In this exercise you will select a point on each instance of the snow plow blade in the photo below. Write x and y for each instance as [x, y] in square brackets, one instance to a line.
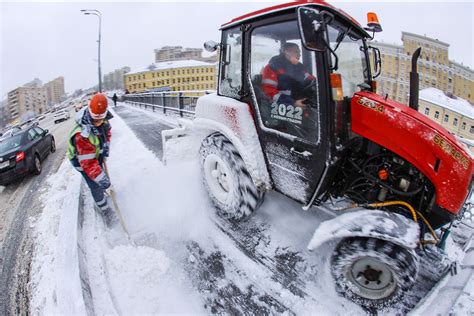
[180, 143]
[454, 290]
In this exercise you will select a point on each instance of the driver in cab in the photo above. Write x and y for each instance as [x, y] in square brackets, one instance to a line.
[284, 77]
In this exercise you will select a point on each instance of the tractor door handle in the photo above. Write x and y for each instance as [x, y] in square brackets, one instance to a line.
[304, 153]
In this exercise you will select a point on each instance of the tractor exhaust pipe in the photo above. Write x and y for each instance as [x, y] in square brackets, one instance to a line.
[414, 80]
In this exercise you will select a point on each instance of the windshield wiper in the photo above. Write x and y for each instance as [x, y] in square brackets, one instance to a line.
[341, 37]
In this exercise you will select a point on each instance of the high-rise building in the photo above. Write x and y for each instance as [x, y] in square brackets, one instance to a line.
[54, 91]
[25, 100]
[434, 67]
[114, 80]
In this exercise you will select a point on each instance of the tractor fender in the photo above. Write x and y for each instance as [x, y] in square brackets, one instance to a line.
[229, 117]
[234, 120]
[377, 224]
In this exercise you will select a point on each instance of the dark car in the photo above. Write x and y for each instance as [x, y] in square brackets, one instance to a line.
[23, 151]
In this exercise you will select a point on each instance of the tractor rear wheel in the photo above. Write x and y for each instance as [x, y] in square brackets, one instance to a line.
[373, 273]
[226, 178]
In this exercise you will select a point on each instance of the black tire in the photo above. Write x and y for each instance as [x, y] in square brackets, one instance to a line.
[232, 192]
[36, 164]
[364, 284]
[53, 145]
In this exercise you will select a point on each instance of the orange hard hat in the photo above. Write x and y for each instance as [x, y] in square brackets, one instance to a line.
[98, 106]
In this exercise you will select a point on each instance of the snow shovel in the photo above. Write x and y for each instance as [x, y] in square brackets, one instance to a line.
[117, 209]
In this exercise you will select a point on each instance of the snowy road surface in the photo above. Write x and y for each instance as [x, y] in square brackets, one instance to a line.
[187, 259]
[18, 203]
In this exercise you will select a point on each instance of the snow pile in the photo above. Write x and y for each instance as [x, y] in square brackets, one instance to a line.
[55, 284]
[126, 264]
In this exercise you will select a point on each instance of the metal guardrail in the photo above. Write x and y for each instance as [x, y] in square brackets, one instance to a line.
[182, 103]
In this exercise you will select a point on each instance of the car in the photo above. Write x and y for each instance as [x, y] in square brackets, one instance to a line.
[23, 151]
[61, 115]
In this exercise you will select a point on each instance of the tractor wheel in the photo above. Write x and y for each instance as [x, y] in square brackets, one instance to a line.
[36, 164]
[373, 273]
[226, 178]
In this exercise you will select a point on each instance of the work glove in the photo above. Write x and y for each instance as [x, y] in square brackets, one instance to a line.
[106, 150]
[109, 191]
[104, 183]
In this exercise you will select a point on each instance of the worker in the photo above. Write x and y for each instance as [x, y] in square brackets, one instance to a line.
[89, 145]
[288, 85]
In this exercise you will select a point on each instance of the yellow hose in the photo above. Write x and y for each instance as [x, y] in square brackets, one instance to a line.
[412, 210]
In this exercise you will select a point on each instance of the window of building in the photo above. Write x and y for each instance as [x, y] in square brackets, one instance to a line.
[427, 111]
[471, 130]
[455, 122]
[463, 126]
[446, 118]
[436, 114]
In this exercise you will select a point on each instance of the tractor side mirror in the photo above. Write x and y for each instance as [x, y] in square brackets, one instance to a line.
[312, 28]
[377, 61]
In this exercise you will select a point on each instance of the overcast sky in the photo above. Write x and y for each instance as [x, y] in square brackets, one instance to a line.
[49, 39]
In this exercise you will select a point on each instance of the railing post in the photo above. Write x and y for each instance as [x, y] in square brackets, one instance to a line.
[164, 103]
[180, 103]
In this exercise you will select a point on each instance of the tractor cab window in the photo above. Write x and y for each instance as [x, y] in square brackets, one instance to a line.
[231, 64]
[283, 79]
[352, 63]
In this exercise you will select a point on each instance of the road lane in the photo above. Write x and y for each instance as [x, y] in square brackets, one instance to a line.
[19, 203]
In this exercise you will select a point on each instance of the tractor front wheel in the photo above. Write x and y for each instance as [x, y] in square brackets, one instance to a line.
[226, 178]
[373, 273]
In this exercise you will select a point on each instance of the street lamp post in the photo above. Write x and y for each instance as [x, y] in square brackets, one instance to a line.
[97, 14]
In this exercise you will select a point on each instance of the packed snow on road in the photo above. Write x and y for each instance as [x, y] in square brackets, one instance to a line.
[184, 258]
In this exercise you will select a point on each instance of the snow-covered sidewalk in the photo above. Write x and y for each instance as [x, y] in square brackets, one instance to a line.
[152, 199]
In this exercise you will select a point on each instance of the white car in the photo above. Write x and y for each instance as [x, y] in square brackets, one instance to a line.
[60, 116]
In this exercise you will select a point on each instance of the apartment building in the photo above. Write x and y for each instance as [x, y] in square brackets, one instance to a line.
[54, 91]
[181, 75]
[114, 80]
[173, 53]
[453, 113]
[27, 99]
[434, 67]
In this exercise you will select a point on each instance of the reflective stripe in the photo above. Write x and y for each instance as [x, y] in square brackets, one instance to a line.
[102, 202]
[79, 168]
[100, 177]
[276, 97]
[270, 82]
[85, 157]
[103, 208]
[285, 92]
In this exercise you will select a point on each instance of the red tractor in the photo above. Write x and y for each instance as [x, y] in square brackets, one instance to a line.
[296, 111]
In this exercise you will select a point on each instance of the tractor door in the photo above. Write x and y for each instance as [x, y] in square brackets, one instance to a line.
[286, 96]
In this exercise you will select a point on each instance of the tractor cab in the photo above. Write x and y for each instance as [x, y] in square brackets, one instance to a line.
[298, 69]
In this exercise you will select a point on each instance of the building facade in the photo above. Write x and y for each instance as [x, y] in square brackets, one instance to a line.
[182, 75]
[434, 68]
[54, 91]
[453, 113]
[23, 100]
[114, 80]
[174, 53]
